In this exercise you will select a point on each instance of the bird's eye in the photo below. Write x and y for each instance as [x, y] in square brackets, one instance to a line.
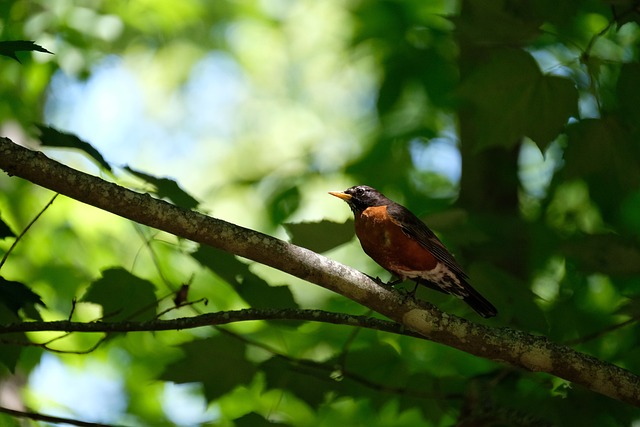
[359, 191]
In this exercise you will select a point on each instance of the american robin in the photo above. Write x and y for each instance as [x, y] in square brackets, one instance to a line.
[403, 245]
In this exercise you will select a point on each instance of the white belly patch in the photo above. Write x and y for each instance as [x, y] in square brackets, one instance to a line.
[440, 276]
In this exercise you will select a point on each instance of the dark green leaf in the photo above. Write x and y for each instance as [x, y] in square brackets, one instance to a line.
[628, 91]
[424, 391]
[630, 213]
[16, 296]
[122, 296]
[10, 353]
[555, 100]
[603, 153]
[509, 294]
[631, 307]
[320, 236]
[393, 153]
[219, 363]
[605, 253]
[51, 137]
[283, 203]
[5, 231]
[255, 420]
[510, 98]
[10, 48]
[254, 290]
[306, 382]
[496, 22]
[386, 368]
[167, 188]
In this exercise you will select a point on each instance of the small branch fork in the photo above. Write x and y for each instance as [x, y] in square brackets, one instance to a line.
[516, 348]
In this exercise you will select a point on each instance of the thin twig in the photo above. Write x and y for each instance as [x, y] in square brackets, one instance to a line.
[51, 419]
[602, 332]
[15, 242]
[211, 319]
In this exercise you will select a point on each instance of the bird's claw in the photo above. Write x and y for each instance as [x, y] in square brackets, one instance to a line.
[378, 280]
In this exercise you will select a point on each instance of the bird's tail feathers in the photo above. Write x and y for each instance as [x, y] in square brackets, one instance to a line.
[479, 303]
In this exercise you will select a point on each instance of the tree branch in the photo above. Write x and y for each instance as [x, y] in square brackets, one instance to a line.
[534, 353]
[51, 419]
[212, 319]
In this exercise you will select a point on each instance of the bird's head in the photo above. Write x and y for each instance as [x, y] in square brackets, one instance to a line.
[361, 197]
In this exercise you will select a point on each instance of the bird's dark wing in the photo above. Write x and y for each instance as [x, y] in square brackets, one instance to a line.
[417, 230]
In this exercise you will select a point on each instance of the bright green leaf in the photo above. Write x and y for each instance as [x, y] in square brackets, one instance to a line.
[167, 188]
[122, 296]
[9, 421]
[219, 363]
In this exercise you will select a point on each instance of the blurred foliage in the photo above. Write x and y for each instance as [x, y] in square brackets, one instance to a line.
[257, 109]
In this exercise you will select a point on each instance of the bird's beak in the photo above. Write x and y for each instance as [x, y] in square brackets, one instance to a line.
[341, 195]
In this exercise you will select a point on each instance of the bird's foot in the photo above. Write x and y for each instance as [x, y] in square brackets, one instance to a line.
[394, 282]
[410, 294]
[389, 284]
[378, 280]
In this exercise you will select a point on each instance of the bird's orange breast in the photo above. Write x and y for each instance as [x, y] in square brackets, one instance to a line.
[383, 240]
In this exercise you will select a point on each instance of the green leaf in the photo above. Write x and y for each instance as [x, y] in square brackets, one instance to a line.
[603, 153]
[283, 202]
[305, 382]
[9, 421]
[438, 387]
[13, 297]
[10, 353]
[628, 92]
[497, 22]
[255, 420]
[219, 363]
[630, 308]
[51, 137]
[512, 296]
[510, 98]
[254, 290]
[167, 188]
[320, 236]
[554, 101]
[5, 231]
[16, 296]
[123, 296]
[605, 253]
[10, 48]
[386, 368]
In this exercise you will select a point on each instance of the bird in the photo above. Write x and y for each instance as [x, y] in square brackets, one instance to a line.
[403, 245]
